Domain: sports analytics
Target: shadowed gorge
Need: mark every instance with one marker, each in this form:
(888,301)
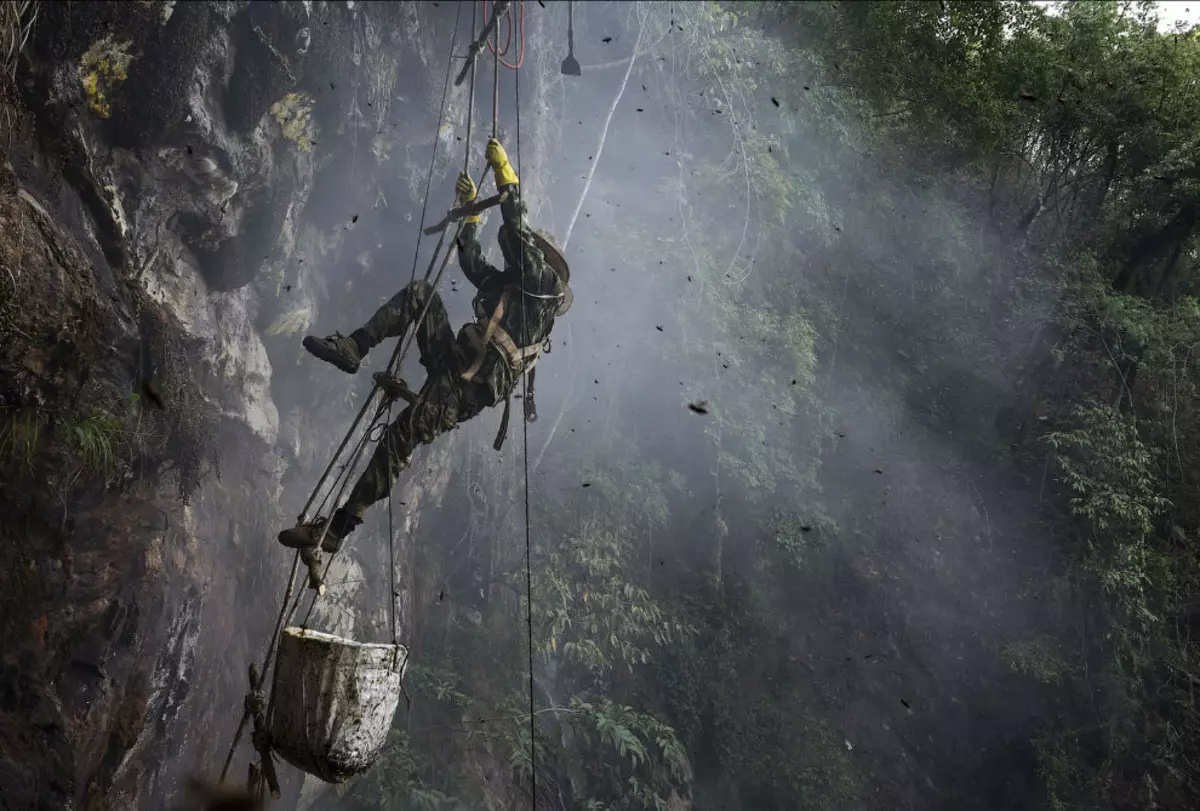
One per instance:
(862,472)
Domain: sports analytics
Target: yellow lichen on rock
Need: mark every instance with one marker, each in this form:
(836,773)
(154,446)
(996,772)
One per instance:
(101,68)
(294,114)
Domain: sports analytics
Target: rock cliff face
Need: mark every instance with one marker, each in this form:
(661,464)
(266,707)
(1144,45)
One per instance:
(187,189)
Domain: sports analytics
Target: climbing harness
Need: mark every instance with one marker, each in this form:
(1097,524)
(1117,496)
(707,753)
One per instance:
(329,682)
(519,361)
(495,335)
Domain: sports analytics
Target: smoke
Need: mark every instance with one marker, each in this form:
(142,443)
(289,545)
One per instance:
(852,361)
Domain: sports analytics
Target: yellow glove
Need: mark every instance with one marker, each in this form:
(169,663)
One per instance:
(465,188)
(497,158)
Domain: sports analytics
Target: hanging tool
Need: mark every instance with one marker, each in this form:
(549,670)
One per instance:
(467,210)
(570,65)
(481,40)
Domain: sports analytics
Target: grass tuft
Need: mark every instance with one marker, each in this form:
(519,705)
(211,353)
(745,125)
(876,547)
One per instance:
(96,439)
(19,433)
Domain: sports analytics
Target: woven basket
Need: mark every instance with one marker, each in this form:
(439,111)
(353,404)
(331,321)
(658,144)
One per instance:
(334,702)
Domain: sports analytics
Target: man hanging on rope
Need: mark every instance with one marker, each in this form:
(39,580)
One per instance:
(465,374)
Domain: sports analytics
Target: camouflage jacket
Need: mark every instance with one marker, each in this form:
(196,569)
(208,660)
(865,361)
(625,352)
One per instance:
(528,320)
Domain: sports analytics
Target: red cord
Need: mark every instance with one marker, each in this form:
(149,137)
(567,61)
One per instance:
(508,38)
(507,30)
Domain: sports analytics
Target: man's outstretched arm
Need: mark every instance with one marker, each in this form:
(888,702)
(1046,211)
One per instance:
(470,253)
(514,237)
(505,176)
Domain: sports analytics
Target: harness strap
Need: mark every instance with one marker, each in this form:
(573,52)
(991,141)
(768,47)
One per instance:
(514,356)
(492,325)
(502,434)
(520,360)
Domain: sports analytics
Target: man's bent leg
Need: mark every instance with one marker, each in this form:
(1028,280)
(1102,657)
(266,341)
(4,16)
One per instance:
(421,423)
(392,320)
(391,457)
(435,413)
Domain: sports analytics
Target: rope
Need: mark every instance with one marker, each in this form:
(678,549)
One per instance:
(525,465)
(470,94)
(501,52)
(413,276)
(467,151)
(237,736)
(392,529)
(397,359)
(383,408)
(437,133)
(495,80)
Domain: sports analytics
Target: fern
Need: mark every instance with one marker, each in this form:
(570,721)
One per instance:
(655,755)
(95,440)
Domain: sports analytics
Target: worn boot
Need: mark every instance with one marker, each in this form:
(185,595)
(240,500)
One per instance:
(343,351)
(304,536)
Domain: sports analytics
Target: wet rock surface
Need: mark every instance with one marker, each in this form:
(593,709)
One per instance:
(174,210)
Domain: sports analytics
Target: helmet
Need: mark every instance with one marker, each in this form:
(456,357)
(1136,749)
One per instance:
(554,258)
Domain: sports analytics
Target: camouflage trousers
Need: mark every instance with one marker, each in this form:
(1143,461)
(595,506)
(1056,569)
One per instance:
(445,399)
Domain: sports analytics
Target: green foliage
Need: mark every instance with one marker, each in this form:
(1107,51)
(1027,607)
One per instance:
(813,763)
(1111,473)
(92,446)
(96,440)
(395,782)
(19,434)
(1069,784)
(1028,183)
(638,496)
(735,725)
(591,611)
(440,682)
(1076,132)
(596,624)
(656,759)
(1038,657)
(801,542)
